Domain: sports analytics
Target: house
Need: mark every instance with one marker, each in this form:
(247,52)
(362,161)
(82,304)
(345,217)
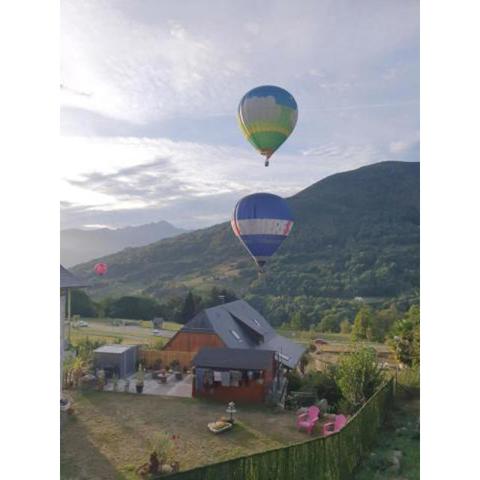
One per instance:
(237,354)
(68,282)
(234,325)
(157,323)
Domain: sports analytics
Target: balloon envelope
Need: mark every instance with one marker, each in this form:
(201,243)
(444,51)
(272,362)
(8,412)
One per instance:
(262,221)
(267,116)
(100,268)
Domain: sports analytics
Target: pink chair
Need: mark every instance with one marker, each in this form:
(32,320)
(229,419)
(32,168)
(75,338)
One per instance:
(308,419)
(332,427)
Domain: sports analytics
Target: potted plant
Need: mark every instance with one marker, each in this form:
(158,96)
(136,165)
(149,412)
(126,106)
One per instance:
(139,379)
(162,376)
(101,380)
(115,382)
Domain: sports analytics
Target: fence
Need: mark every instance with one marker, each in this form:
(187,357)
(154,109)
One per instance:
(153,358)
(326,458)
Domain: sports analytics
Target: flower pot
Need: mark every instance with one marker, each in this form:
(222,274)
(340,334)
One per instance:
(139,388)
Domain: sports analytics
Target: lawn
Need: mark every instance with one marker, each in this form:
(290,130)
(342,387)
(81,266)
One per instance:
(107,437)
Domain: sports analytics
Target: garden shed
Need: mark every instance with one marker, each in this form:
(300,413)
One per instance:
(116,359)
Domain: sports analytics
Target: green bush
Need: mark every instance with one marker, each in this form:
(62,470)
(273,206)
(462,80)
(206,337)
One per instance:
(324,384)
(358,376)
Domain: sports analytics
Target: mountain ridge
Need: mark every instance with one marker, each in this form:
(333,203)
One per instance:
(356,233)
(81,245)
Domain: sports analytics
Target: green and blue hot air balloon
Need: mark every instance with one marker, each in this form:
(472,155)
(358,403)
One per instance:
(267,116)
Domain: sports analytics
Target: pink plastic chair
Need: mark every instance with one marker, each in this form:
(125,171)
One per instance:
(308,419)
(332,427)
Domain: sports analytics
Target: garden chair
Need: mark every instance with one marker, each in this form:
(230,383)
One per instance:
(308,419)
(335,426)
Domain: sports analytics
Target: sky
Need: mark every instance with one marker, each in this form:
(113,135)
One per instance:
(150,88)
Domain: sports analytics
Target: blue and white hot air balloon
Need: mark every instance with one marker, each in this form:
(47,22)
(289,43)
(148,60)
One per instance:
(262,221)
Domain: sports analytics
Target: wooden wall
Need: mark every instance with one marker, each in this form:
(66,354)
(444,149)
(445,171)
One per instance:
(151,358)
(192,342)
(253,393)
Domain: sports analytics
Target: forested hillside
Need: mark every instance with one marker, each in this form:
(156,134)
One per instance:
(356,234)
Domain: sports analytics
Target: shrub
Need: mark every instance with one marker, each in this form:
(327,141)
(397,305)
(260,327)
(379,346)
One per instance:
(294,381)
(324,384)
(358,376)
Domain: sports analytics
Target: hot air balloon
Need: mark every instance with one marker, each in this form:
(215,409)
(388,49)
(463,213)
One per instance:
(100,268)
(267,116)
(262,221)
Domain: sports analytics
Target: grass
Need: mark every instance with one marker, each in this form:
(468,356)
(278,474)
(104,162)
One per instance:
(108,436)
(103,329)
(400,433)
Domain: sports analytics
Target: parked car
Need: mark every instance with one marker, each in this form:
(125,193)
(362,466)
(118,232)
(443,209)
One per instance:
(82,323)
(157,333)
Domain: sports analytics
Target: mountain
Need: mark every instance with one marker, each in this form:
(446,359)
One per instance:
(82,245)
(356,234)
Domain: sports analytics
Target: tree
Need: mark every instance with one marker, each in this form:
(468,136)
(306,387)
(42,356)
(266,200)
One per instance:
(296,322)
(136,308)
(82,304)
(361,323)
(359,375)
(329,323)
(405,337)
(345,326)
(189,308)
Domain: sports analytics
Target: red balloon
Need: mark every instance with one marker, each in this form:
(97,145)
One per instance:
(101,268)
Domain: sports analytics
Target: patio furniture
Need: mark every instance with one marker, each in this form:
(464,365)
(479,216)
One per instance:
(333,427)
(308,420)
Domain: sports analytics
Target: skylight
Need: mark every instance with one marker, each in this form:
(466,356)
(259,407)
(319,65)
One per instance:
(236,335)
(284,357)
(256,321)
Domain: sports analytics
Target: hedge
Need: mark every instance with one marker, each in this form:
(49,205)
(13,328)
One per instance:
(325,458)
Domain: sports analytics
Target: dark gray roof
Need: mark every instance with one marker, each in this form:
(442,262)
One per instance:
(69,280)
(289,352)
(240,326)
(234,358)
(199,323)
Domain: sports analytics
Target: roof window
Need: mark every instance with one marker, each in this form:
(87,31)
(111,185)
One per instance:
(236,335)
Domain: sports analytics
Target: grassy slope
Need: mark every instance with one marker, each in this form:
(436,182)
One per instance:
(400,433)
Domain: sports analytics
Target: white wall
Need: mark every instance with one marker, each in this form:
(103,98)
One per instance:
(62,334)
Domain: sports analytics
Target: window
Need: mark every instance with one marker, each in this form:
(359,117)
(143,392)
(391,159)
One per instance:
(236,335)
(284,357)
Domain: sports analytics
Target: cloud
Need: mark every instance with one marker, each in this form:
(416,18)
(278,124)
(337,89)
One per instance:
(188,184)
(142,62)
(150,91)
